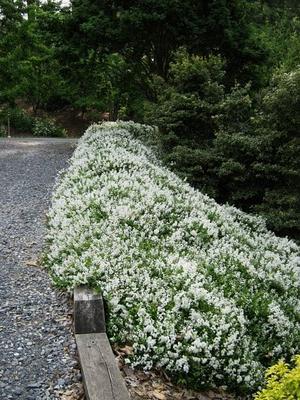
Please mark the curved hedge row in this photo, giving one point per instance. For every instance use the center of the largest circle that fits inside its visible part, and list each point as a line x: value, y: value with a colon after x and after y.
x: 202, y: 290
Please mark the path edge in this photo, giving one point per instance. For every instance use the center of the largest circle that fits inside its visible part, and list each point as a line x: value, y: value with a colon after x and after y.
x: 102, y: 378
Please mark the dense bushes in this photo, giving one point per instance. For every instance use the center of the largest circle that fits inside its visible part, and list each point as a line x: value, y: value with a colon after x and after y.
x: 47, y: 127
x: 188, y: 103
x: 259, y: 167
x: 103, y: 57
x: 204, y: 79
x: 202, y: 290
x: 20, y: 121
x: 278, y: 159
x: 243, y: 152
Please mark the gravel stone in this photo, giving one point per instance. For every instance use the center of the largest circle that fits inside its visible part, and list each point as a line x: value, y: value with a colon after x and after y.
x: 37, y: 346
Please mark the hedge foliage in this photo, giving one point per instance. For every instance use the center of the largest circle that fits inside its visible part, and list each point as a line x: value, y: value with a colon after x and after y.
x: 202, y: 290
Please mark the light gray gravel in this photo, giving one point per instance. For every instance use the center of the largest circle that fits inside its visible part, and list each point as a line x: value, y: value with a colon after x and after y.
x: 37, y: 350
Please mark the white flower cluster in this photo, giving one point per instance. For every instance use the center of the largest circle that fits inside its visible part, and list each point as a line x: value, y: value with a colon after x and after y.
x: 202, y: 290
x: 48, y: 128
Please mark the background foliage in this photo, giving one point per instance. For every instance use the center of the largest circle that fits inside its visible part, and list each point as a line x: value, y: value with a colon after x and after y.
x: 219, y: 78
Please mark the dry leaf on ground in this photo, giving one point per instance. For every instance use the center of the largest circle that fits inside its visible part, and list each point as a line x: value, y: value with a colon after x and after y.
x: 158, y: 395
x: 32, y: 263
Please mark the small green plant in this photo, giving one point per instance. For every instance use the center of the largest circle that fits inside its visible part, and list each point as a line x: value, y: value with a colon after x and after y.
x: 48, y: 128
x: 18, y: 119
x: 2, y: 132
x: 283, y: 382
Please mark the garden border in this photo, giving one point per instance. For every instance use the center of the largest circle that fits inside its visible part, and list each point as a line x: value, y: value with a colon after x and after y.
x: 101, y: 376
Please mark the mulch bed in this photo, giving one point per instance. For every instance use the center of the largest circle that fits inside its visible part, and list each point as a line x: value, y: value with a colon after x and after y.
x: 157, y: 385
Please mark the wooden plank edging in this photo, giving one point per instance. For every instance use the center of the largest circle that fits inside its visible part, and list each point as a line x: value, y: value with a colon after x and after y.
x: 101, y: 376
x: 89, y: 315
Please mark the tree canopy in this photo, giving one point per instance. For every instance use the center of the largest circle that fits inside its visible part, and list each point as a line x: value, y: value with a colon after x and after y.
x: 220, y: 78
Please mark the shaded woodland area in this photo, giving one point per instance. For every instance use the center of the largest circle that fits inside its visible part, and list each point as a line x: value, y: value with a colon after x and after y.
x: 221, y: 80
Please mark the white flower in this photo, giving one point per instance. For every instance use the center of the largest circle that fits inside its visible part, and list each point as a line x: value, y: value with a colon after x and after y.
x: 192, y: 285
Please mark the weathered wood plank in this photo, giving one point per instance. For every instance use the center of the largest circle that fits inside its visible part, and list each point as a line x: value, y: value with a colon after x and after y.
x: 89, y: 316
x: 101, y: 375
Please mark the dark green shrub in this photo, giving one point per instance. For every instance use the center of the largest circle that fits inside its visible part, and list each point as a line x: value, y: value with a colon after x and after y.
x: 186, y: 106
x: 279, y: 128
x: 2, y: 132
x: 20, y: 121
x: 260, y: 158
x: 240, y: 152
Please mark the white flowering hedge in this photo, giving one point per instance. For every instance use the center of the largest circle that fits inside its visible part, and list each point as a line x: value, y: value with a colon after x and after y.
x: 202, y: 290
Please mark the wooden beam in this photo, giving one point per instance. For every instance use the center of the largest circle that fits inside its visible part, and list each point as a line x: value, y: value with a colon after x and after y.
x: 101, y: 375
x: 89, y: 315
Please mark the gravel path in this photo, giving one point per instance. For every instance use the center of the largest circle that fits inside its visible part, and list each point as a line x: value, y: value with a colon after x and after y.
x: 37, y: 349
